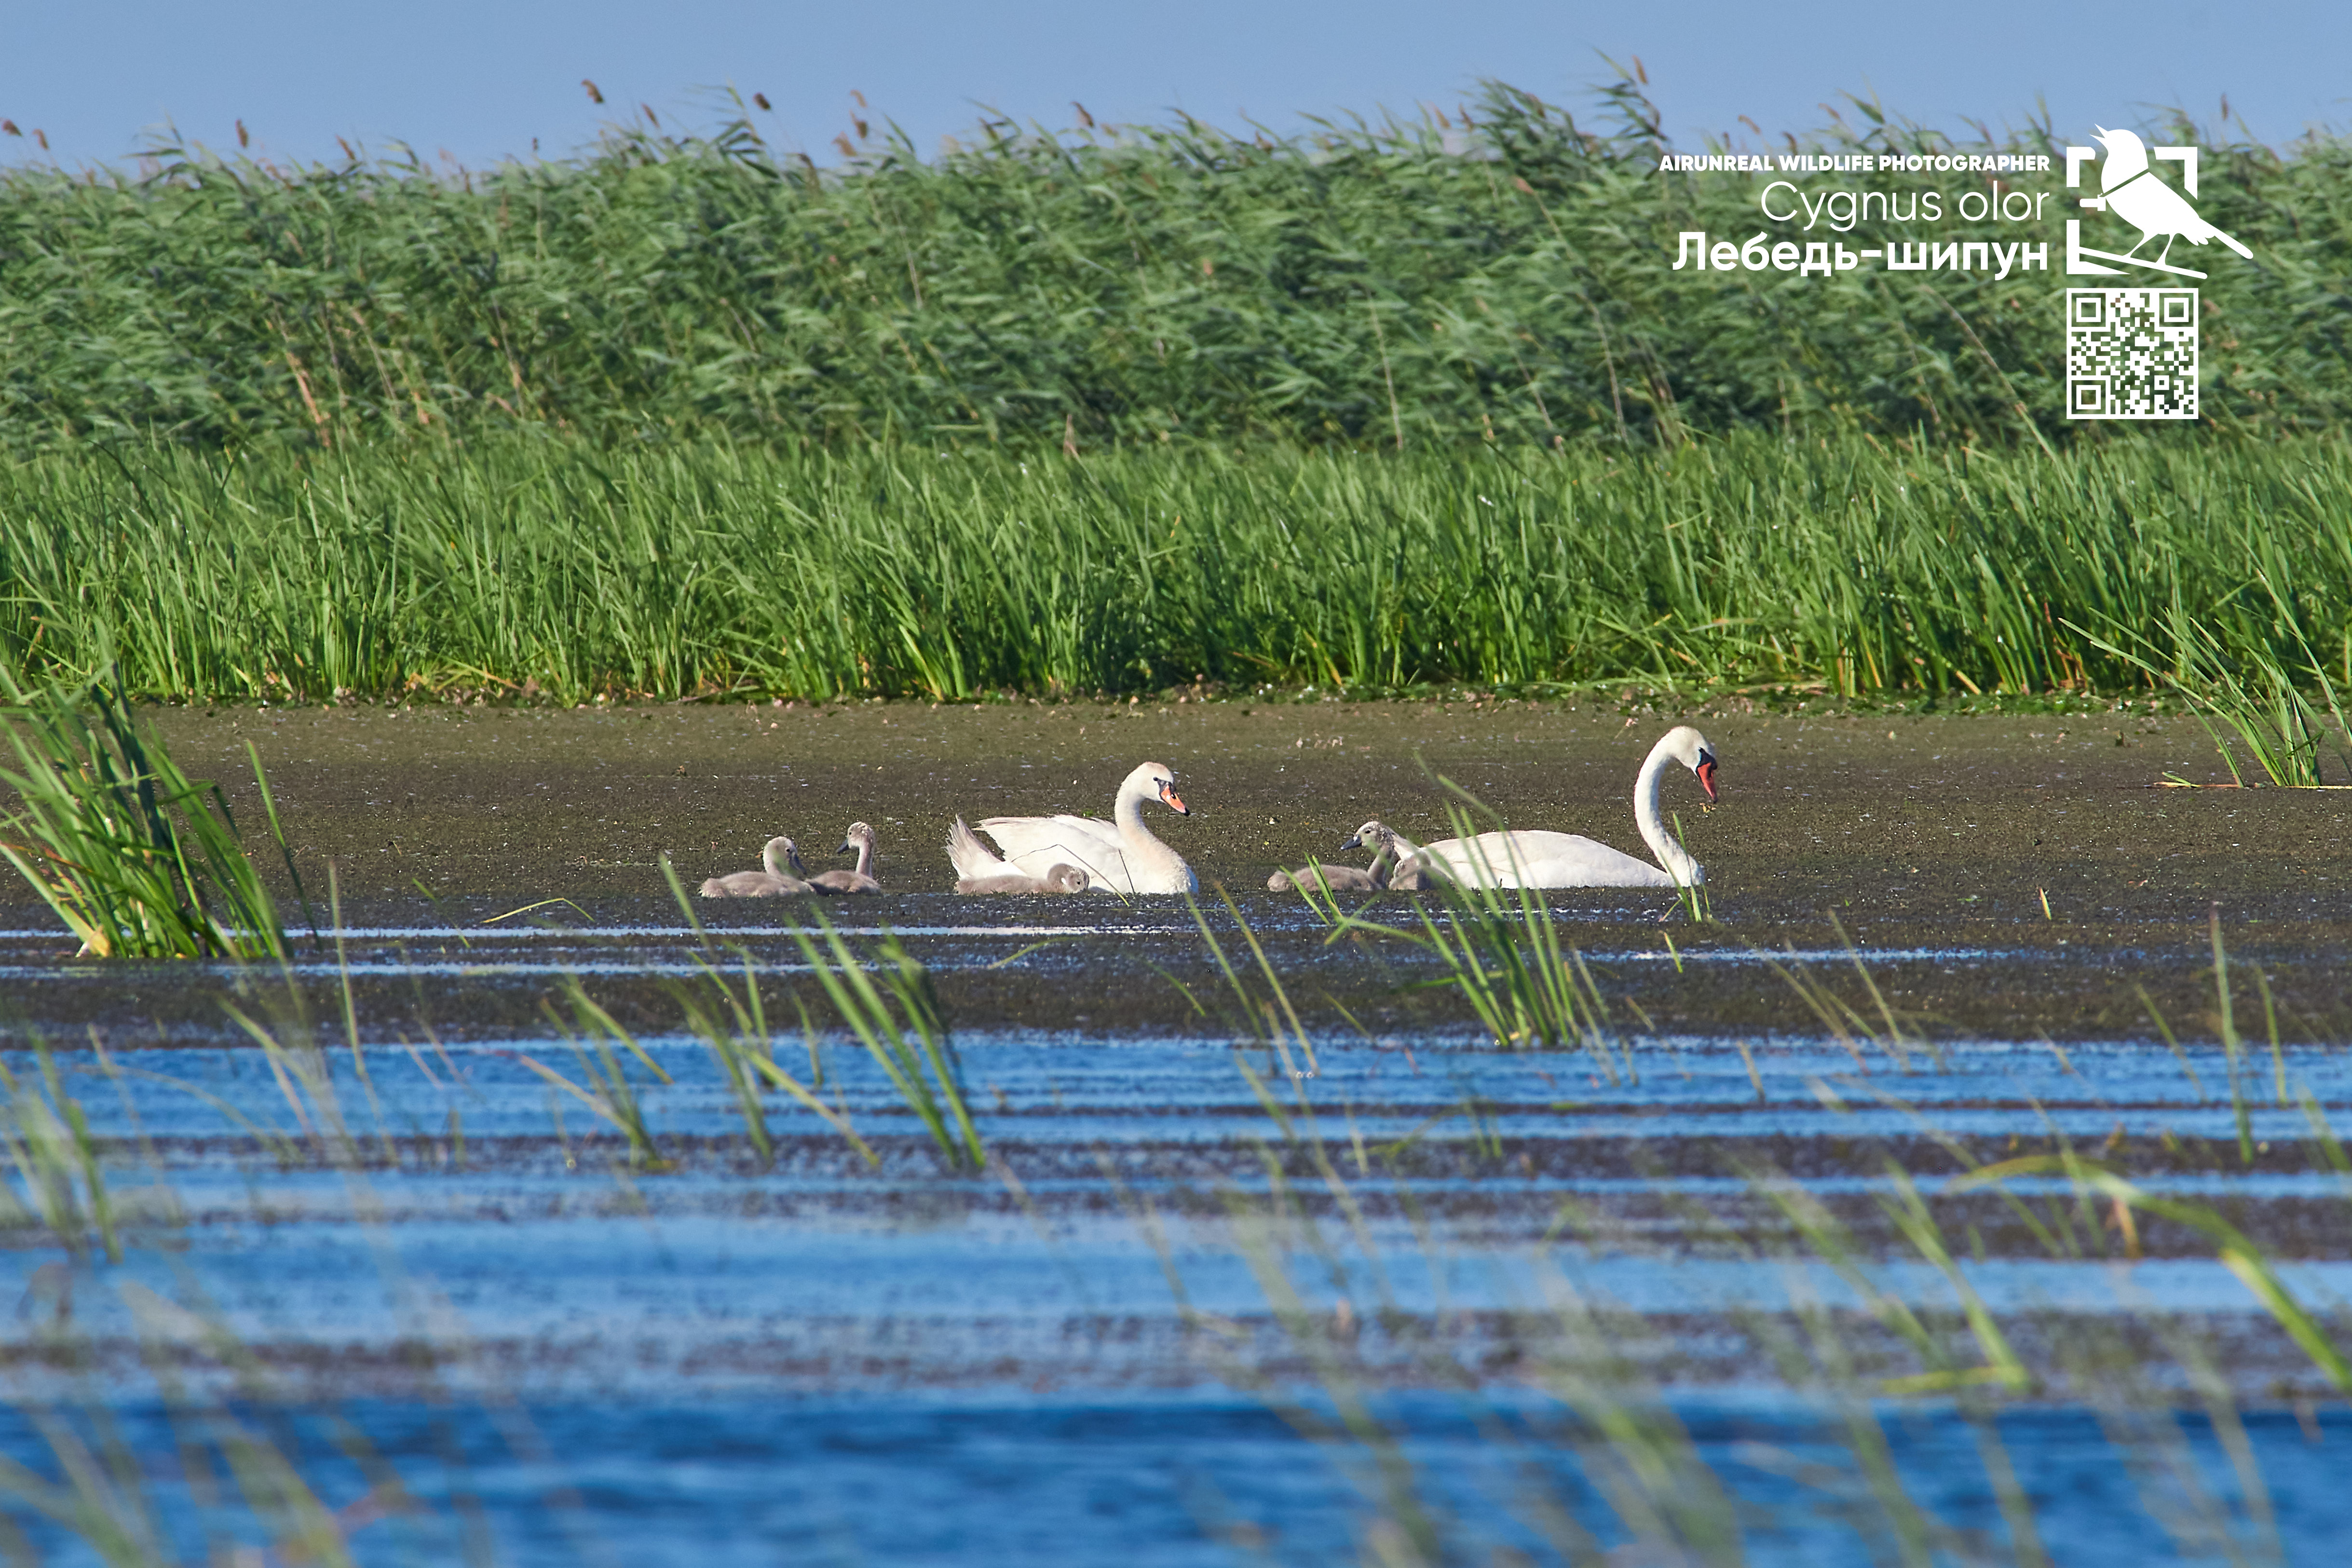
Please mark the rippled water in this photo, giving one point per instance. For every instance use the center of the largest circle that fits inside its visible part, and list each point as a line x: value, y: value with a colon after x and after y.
x: 696, y: 1354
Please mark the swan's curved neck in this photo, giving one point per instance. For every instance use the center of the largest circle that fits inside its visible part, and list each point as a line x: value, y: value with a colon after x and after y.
x: 866, y: 857
x: 1140, y: 839
x: 1676, y: 860
x: 1129, y: 813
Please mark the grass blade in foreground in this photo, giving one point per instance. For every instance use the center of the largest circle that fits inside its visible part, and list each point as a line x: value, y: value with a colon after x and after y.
x: 740, y: 1041
x: 609, y: 1093
x: 901, y: 1027
x: 1501, y: 950
x: 138, y: 859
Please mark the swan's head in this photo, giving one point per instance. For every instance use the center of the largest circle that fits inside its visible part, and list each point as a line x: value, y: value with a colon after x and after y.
x: 1066, y: 880
x: 1373, y: 835
x: 859, y: 832
x: 1155, y: 779
x: 789, y: 853
x: 1688, y: 747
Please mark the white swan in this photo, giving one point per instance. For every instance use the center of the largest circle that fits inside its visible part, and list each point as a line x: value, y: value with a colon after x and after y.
x: 860, y: 837
x: 1121, y: 855
x: 1535, y: 859
x: 770, y: 883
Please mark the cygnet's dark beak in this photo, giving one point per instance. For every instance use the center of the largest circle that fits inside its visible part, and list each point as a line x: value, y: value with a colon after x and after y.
x: 1353, y: 841
x: 847, y: 849
x: 1706, y: 771
x: 1169, y: 798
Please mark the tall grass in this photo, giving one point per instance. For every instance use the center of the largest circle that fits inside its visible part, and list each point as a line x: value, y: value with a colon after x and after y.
x: 554, y: 568
x: 603, y: 1087
x: 137, y: 858
x: 2146, y: 1373
x: 234, y: 1455
x: 1500, y: 950
x: 1501, y: 272
x: 2279, y: 702
x: 885, y: 999
x: 734, y: 1025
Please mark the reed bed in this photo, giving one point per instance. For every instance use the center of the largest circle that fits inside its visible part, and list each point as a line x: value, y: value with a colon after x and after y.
x: 1501, y: 271
x: 138, y: 859
x: 552, y: 570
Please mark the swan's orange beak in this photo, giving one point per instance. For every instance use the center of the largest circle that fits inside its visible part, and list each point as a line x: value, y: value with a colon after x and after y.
x: 1171, y: 800
x: 1706, y: 771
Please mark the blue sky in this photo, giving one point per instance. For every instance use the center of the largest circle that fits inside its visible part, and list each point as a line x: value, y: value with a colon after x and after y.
x: 482, y: 80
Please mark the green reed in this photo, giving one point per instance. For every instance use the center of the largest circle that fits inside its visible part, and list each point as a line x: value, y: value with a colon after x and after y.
x: 101, y: 1489
x: 885, y: 999
x: 1272, y: 1022
x: 137, y: 858
x: 2275, y: 697
x: 1502, y: 271
x: 552, y: 569
x: 1847, y: 1024
x: 2145, y: 1376
x: 732, y: 1022
x: 45, y: 1136
x: 603, y: 1087
x: 1500, y: 947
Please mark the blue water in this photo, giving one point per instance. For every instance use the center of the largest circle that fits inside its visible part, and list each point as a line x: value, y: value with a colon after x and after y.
x: 567, y: 1360
x: 1014, y: 1480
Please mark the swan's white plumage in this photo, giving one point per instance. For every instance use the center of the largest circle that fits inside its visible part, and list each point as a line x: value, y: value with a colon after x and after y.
x: 1538, y: 859
x: 1542, y: 859
x: 970, y: 857
x: 1122, y: 856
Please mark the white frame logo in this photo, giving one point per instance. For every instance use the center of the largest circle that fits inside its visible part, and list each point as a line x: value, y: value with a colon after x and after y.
x: 2130, y: 188
x: 2132, y: 354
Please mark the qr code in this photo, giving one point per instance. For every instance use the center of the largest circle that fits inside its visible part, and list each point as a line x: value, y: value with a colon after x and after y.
x: 2131, y: 354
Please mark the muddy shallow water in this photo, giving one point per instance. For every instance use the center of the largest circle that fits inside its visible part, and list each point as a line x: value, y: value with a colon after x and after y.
x: 403, y: 1218
x: 1936, y: 834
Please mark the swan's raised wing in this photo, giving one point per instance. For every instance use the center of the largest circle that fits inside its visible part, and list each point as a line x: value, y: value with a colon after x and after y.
x: 970, y: 857
x: 1036, y: 844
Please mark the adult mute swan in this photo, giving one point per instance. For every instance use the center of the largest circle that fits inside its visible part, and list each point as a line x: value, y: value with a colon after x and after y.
x: 859, y: 837
x: 1537, y: 859
x: 772, y: 882
x: 1121, y: 855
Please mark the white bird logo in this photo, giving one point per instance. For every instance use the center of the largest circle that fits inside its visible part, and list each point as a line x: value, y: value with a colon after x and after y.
x: 2135, y: 195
